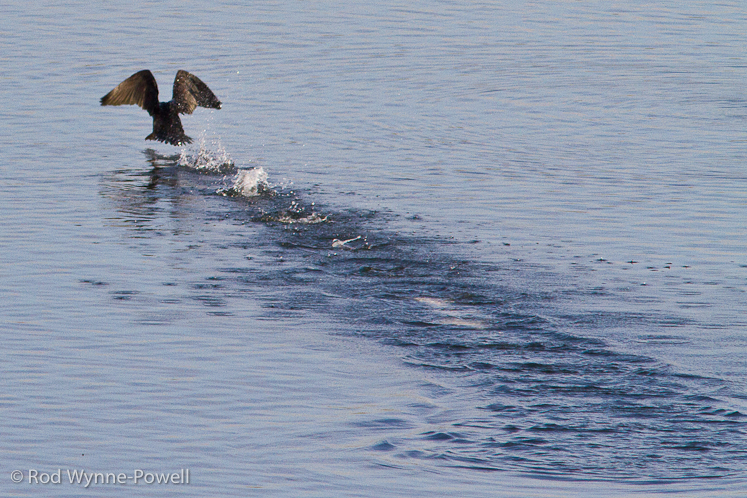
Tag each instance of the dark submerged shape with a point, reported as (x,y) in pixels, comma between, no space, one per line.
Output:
(141,89)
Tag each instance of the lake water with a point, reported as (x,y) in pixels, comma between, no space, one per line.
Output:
(425,249)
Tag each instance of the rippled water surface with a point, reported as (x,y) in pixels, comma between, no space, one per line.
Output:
(425,249)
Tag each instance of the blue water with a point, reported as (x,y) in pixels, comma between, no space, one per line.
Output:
(432,249)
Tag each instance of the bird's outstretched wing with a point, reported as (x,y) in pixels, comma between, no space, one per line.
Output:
(190,91)
(139,89)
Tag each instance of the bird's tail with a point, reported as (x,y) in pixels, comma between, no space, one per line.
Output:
(170,138)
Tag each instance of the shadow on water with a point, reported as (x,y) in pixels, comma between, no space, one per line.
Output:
(532,397)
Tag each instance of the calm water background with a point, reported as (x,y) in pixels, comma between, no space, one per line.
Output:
(547,297)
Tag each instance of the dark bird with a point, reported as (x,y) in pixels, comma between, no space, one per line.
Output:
(141,89)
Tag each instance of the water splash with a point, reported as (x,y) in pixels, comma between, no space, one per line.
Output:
(311,219)
(296,213)
(248,183)
(213,159)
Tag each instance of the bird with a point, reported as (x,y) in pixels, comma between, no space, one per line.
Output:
(141,89)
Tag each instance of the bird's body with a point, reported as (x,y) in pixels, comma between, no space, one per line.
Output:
(141,89)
